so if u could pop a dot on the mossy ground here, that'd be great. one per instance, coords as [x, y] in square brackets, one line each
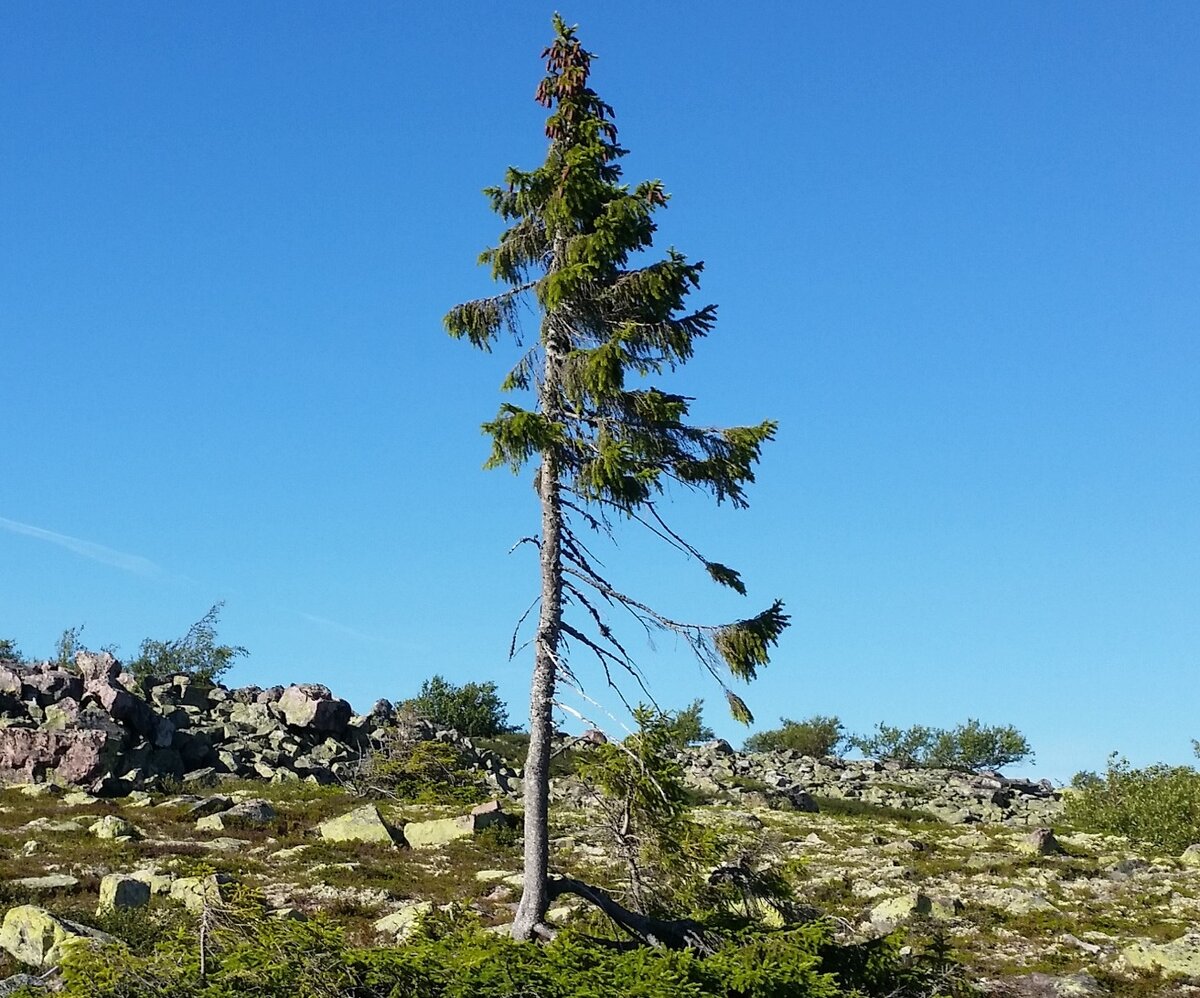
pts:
[1003, 911]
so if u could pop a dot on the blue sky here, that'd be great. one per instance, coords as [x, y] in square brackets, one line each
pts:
[956, 251]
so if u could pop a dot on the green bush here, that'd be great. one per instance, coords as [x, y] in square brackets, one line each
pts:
[196, 654]
[687, 727]
[969, 746]
[66, 646]
[643, 806]
[976, 746]
[247, 954]
[473, 710]
[421, 772]
[9, 652]
[816, 736]
[1158, 805]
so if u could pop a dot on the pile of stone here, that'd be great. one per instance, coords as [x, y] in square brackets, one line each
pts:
[96, 726]
[788, 779]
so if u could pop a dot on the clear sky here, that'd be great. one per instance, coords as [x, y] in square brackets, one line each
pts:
[956, 250]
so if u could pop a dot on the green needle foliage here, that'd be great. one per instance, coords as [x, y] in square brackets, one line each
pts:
[607, 443]
[614, 445]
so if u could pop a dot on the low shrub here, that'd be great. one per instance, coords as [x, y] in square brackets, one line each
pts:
[474, 710]
[969, 746]
[450, 956]
[1158, 805]
[196, 654]
[816, 736]
[419, 772]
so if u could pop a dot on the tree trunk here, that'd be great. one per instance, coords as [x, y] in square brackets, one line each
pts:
[535, 897]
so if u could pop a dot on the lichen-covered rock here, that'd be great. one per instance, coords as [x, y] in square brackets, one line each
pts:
[399, 924]
[1191, 855]
[1178, 958]
[1040, 842]
[896, 911]
[198, 893]
[50, 882]
[441, 831]
[159, 883]
[33, 936]
[121, 890]
[364, 824]
[113, 827]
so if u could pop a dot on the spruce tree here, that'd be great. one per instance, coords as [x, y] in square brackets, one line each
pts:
[606, 443]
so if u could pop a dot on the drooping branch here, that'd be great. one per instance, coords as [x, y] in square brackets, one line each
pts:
[681, 933]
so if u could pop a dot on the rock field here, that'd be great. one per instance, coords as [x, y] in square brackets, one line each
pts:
[172, 797]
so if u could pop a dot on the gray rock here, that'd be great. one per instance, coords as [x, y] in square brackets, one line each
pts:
[50, 882]
[364, 824]
[120, 890]
[209, 805]
[310, 705]
[1040, 842]
[96, 666]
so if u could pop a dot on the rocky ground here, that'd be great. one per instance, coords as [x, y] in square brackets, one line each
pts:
[1027, 912]
[183, 794]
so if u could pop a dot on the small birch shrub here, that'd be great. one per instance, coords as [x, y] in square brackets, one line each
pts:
[816, 736]
[1158, 805]
[970, 746]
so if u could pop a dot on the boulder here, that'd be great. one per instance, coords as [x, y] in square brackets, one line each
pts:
[61, 715]
[159, 883]
[1178, 958]
[364, 824]
[313, 706]
[440, 831]
[120, 890]
[209, 805]
[1040, 842]
[1191, 856]
[95, 666]
[131, 711]
[50, 882]
[400, 923]
[198, 893]
[49, 684]
[75, 756]
[10, 682]
[32, 935]
[896, 911]
[113, 827]
[251, 813]
[255, 811]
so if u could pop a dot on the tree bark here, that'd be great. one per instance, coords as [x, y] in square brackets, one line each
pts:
[535, 896]
[681, 933]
